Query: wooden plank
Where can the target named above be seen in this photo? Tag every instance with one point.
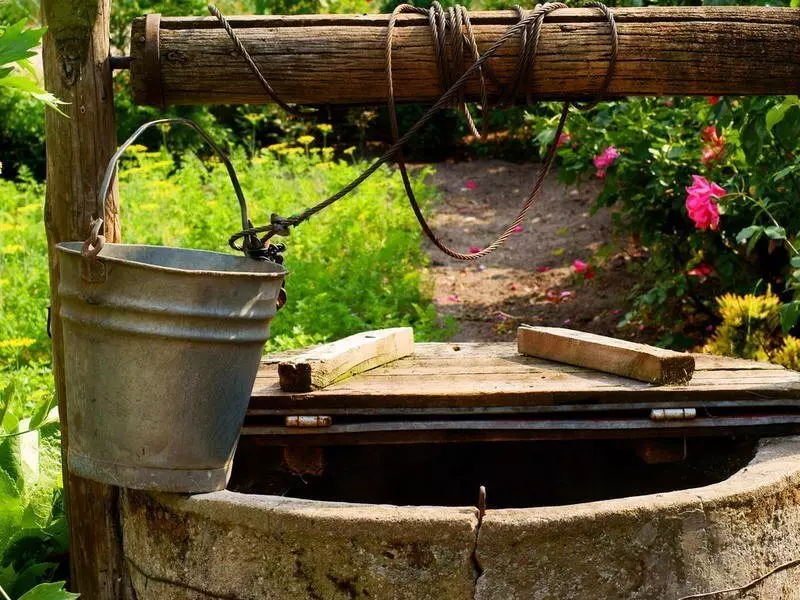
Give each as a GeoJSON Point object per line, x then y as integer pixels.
{"type": "Point", "coordinates": [339, 59]}
{"type": "Point", "coordinates": [602, 353]}
{"type": "Point", "coordinates": [76, 70]}
{"type": "Point", "coordinates": [418, 387]}
{"type": "Point", "coordinates": [322, 366]}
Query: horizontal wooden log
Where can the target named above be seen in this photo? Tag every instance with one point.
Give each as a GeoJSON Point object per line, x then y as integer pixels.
{"type": "Point", "coordinates": [340, 59]}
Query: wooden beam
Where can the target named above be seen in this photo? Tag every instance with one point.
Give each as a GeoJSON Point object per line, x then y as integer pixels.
{"type": "Point", "coordinates": [339, 59]}
{"type": "Point", "coordinates": [606, 354]}
{"type": "Point", "coordinates": [321, 366]}
{"type": "Point", "coordinates": [76, 70]}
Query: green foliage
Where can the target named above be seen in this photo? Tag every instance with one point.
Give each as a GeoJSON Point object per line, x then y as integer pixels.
{"type": "Point", "coordinates": [49, 591]}
{"type": "Point", "coordinates": [661, 145]}
{"type": "Point", "coordinates": [750, 329]}
{"type": "Point", "coordinates": [357, 266]}
{"type": "Point", "coordinates": [18, 45]}
{"type": "Point", "coordinates": [749, 326]}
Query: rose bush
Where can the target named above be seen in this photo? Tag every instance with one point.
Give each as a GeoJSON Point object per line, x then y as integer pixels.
{"type": "Point", "coordinates": [706, 187]}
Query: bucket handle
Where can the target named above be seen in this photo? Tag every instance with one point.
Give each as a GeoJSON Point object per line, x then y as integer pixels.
{"type": "Point", "coordinates": [250, 242]}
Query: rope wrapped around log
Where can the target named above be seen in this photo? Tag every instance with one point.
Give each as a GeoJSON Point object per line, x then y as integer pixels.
{"type": "Point", "coordinates": [339, 59]}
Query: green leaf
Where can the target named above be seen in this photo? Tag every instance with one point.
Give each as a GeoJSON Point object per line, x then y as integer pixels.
{"type": "Point", "coordinates": [7, 395]}
{"type": "Point", "coordinates": [17, 43]}
{"type": "Point", "coordinates": [795, 262]}
{"type": "Point", "coordinates": [776, 113]}
{"type": "Point", "coordinates": [30, 87]}
{"type": "Point", "coordinates": [752, 137]}
{"type": "Point", "coordinates": [775, 233]}
{"type": "Point", "coordinates": [49, 591]}
{"type": "Point", "coordinates": [784, 172]}
{"type": "Point", "coordinates": [41, 411]}
{"type": "Point", "coordinates": [790, 314]}
{"type": "Point", "coordinates": [794, 3]}
{"type": "Point", "coordinates": [748, 232]}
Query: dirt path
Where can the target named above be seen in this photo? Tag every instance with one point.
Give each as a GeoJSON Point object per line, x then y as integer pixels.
{"type": "Point", "coordinates": [529, 280]}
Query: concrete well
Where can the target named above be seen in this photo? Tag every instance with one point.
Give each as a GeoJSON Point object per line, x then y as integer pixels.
{"type": "Point", "coordinates": [658, 546]}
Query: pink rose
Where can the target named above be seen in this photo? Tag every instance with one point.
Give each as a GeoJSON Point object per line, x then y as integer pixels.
{"type": "Point", "coordinates": [606, 158]}
{"type": "Point", "coordinates": [715, 145]}
{"type": "Point", "coordinates": [564, 138]}
{"type": "Point", "coordinates": [701, 203]}
{"type": "Point", "coordinates": [518, 229]}
{"type": "Point", "coordinates": [600, 173]}
{"type": "Point", "coordinates": [713, 100]}
{"type": "Point", "coordinates": [470, 185]}
{"type": "Point", "coordinates": [474, 250]}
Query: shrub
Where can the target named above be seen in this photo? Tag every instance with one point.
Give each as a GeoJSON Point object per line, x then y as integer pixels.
{"type": "Point", "coordinates": [749, 326]}
{"type": "Point", "coordinates": [742, 144]}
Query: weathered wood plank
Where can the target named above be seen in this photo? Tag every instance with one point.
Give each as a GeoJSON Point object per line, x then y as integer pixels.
{"type": "Point", "coordinates": [339, 59]}
{"type": "Point", "coordinates": [324, 365]}
{"type": "Point", "coordinates": [76, 70]}
{"type": "Point", "coordinates": [480, 376]}
{"type": "Point", "coordinates": [602, 353]}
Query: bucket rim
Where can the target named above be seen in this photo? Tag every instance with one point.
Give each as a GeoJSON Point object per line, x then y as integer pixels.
{"type": "Point", "coordinates": [74, 248]}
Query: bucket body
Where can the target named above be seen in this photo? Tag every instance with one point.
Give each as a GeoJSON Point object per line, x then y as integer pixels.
{"type": "Point", "coordinates": [161, 350]}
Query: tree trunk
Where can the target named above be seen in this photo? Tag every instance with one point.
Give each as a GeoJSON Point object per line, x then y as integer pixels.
{"type": "Point", "coordinates": [76, 70]}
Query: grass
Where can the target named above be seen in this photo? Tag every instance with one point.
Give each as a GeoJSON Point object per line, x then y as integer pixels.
{"type": "Point", "coordinates": [356, 266]}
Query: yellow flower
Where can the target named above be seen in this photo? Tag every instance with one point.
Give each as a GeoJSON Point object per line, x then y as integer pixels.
{"type": "Point", "coordinates": [12, 249]}
{"type": "Point", "coordinates": [277, 147]}
{"type": "Point", "coordinates": [325, 165]}
{"type": "Point", "coordinates": [29, 208]}
{"type": "Point", "coordinates": [325, 127]}
{"type": "Point", "coordinates": [255, 118]}
{"type": "Point", "coordinates": [350, 150]}
{"type": "Point", "coordinates": [305, 139]}
{"type": "Point", "coordinates": [137, 148]}
{"type": "Point", "coordinates": [291, 151]}
{"type": "Point", "coordinates": [17, 343]}
{"type": "Point", "coordinates": [6, 227]}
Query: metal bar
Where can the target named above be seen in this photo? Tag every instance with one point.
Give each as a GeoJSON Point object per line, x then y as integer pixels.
{"type": "Point", "coordinates": [532, 409]}
{"type": "Point", "coordinates": [508, 430]}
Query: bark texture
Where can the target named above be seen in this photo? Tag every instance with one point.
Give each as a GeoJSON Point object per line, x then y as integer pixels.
{"type": "Point", "coordinates": [340, 59]}
{"type": "Point", "coordinates": [76, 70]}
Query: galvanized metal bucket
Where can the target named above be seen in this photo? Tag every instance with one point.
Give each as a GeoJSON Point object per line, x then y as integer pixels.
{"type": "Point", "coordinates": [161, 351]}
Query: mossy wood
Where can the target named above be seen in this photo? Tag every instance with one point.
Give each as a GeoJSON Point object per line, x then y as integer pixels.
{"type": "Point", "coordinates": [606, 354]}
{"type": "Point", "coordinates": [340, 59]}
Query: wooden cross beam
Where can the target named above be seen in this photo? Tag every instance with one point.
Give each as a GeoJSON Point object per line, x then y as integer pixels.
{"type": "Point", "coordinates": [339, 59]}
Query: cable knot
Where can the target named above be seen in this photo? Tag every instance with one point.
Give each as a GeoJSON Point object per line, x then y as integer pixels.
{"type": "Point", "coordinates": [280, 225]}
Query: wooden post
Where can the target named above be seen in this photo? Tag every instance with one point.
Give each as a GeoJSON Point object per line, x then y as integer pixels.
{"type": "Point", "coordinates": [76, 70]}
